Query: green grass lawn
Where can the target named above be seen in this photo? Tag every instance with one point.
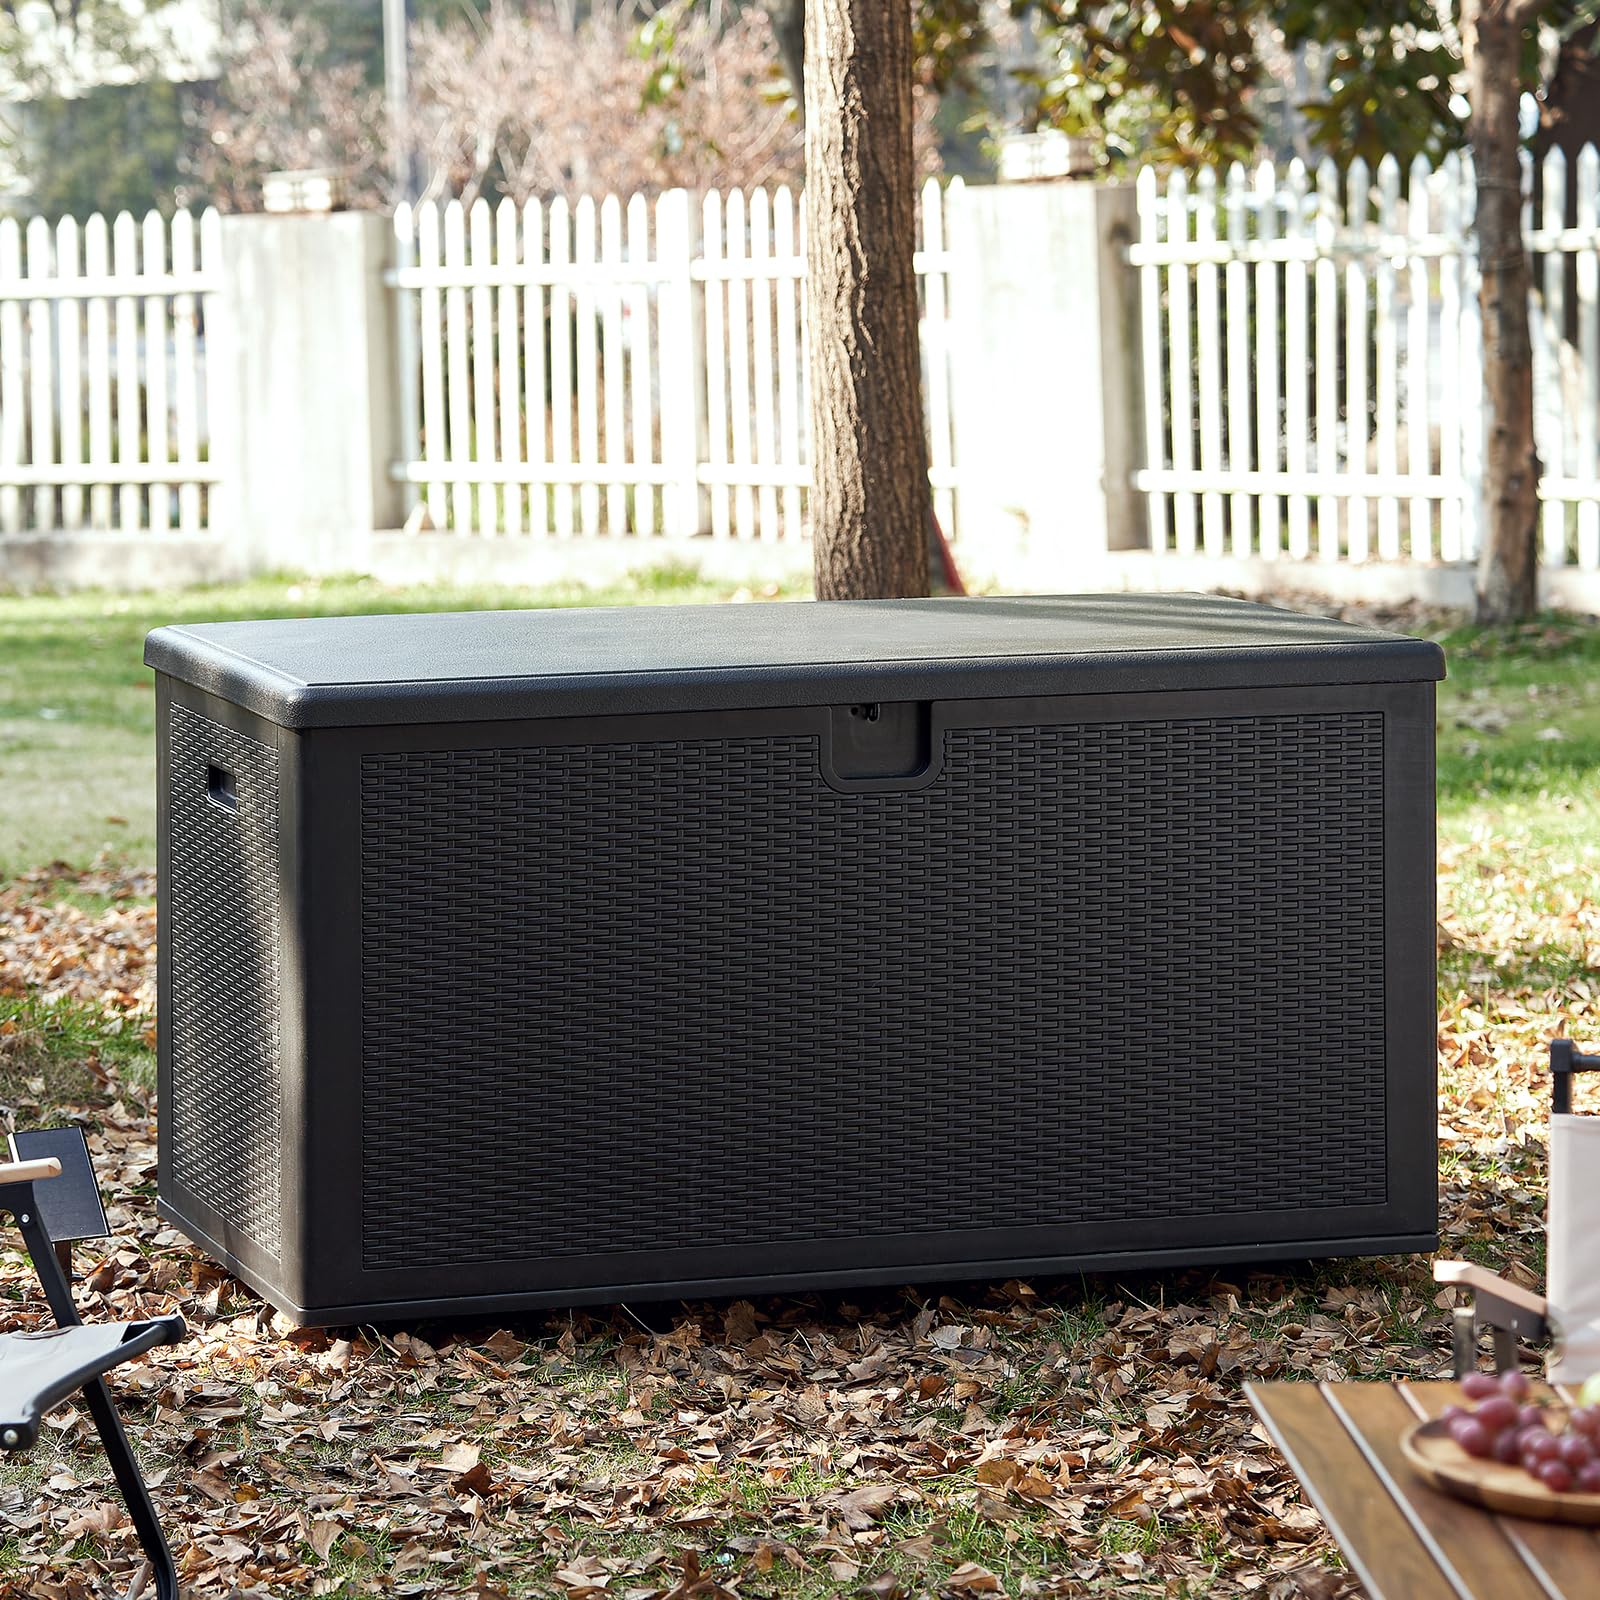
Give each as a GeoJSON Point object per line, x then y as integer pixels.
{"type": "Point", "coordinates": [77, 703]}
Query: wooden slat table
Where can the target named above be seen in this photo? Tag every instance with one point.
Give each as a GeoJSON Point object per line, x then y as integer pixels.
{"type": "Point", "coordinates": [1404, 1540]}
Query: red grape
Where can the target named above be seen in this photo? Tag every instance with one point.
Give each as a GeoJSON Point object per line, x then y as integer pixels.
{"type": "Point", "coordinates": [1576, 1451]}
{"type": "Point", "coordinates": [1540, 1445]}
{"type": "Point", "coordinates": [1515, 1384]}
{"type": "Point", "coordinates": [1473, 1437]}
{"type": "Point", "coordinates": [1506, 1448]}
{"type": "Point", "coordinates": [1556, 1475]}
{"type": "Point", "coordinates": [1479, 1386]}
{"type": "Point", "coordinates": [1531, 1417]}
{"type": "Point", "coordinates": [1496, 1412]}
{"type": "Point", "coordinates": [1450, 1413]}
{"type": "Point", "coordinates": [1588, 1479]}
{"type": "Point", "coordinates": [1585, 1419]}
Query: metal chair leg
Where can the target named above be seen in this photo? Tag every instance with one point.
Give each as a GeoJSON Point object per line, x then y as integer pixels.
{"type": "Point", "coordinates": [1463, 1341]}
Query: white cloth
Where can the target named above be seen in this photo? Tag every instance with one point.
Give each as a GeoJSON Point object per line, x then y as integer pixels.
{"type": "Point", "coordinates": [1573, 1231]}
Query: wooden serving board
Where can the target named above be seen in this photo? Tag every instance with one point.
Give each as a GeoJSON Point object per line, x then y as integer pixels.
{"type": "Point", "coordinates": [1440, 1461]}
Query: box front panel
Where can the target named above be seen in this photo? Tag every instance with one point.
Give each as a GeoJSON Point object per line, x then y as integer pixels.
{"type": "Point", "coordinates": [666, 1003]}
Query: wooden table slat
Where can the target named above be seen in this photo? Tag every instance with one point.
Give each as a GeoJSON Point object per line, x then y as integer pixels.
{"type": "Point", "coordinates": [1483, 1562]}
{"type": "Point", "coordinates": [1566, 1558]}
{"type": "Point", "coordinates": [1342, 1485]}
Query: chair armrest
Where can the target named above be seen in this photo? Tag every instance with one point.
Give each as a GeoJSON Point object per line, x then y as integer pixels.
{"type": "Point", "coordinates": [1480, 1280]}
{"type": "Point", "coordinates": [29, 1171]}
{"type": "Point", "coordinates": [1512, 1312]}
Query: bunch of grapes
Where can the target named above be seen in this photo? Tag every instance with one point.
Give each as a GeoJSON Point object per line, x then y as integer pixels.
{"type": "Point", "coordinates": [1505, 1426]}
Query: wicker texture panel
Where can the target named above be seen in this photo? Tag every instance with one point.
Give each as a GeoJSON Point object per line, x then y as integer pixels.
{"type": "Point", "coordinates": [685, 995]}
{"type": "Point", "coordinates": [225, 934]}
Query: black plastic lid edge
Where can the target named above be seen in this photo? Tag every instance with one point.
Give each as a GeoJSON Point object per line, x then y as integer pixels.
{"type": "Point", "coordinates": [296, 706]}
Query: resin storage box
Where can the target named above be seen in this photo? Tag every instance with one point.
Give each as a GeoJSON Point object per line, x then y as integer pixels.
{"type": "Point", "coordinates": [527, 958]}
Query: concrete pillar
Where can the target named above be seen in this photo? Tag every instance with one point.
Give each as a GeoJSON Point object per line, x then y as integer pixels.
{"type": "Point", "coordinates": [302, 360]}
{"type": "Point", "coordinates": [1047, 378]}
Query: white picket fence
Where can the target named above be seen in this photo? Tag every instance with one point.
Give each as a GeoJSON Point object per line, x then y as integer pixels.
{"type": "Point", "coordinates": [1312, 362]}
{"type": "Point", "coordinates": [103, 412]}
{"type": "Point", "coordinates": [628, 369]}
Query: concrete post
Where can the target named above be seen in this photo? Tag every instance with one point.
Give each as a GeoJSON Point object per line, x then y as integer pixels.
{"type": "Point", "coordinates": [305, 397]}
{"type": "Point", "coordinates": [1047, 379]}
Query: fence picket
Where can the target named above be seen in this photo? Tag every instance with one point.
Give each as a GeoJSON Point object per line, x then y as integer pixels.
{"type": "Point", "coordinates": [535, 406]}
{"type": "Point", "coordinates": [1547, 334]}
{"type": "Point", "coordinates": [1183, 509]}
{"type": "Point", "coordinates": [1450, 358]}
{"type": "Point", "coordinates": [739, 362]}
{"type": "Point", "coordinates": [1152, 216]}
{"type": "Point", "coordinates": [1419, 440]}
{"type": "Point", "coordinates": [639, 365]}
{"type": "Point", "coordinates": [155, 371]}
{"type": "Point", "coordinates": [430, 337]}
{"type": "Point", "coordinates": [1236, 287]}
{"type": "Point", "coordinates": [1388, 359]}
{"type": "Point", "coordinates": [1587, 466]}
{"type": "Point", "coordinates": [70, 371]}
{"type": "Point", "coordinates": [406, 323]}
{"type": "Point", "coordinates": [41, 373]}
{"type": "Point", "coordinates": [125, 264]}
{"type": "Point", "coordinates": [508, 363]}
{"type": "Point", "coordinates": [1208, 339]}
{"type": "Point", "coordinates": [1355, 366]}
{"type": "Point", "coordinates": [1296, 364]}
{"type": "Point", "coordinates": [1326, 377]}
{"type": "Point", "coordinates": [761, 356]}
{"type": "Point", "coordinates": [97, 328]}
{"type": "Point", "coordinates": [185, 373]}
{"type": "Point", "coordinates": [481, 246]}
{"type": "Point", "coordinates": [560, 223]}
{"type": "Point", "coordinates": [784, 246]}
{"type": "Point", "coordinates": [458, 393]}
{"type": "Point", "coordinates": [13, 412]}
{"type": "Point", "coordinates": [613, 375]}
{"type": "Point", "coordinates": [716, 369]}
{"type": "Point", "coordinates": [587, 338]}
{"type": "Point", "coordinates": [1269, 426]}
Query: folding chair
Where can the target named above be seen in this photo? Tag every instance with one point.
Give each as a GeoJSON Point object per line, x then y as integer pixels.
{"type": "Point", "coordinates": [1570, 1314]}
{"type": "Point", "coordinates": [39, 1370]}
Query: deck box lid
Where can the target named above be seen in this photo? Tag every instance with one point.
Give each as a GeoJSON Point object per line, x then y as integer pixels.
{"type": "Point", "coordinates": [371, 670]}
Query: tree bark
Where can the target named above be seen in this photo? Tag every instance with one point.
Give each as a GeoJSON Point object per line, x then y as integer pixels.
{"type": "Point", "coordinates": [870, 504]}
{"type": "Point", "coordinates": [1508, 571]}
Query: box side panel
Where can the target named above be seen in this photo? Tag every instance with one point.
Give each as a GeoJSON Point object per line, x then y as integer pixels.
{"type": "Point", "coordinates": [228, 978]}
{"type": "Point", "coordinates": [654, 1000]}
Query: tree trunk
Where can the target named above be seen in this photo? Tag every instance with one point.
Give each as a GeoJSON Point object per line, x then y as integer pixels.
{"type": "Point", "coordinates": [870, 503]}
{"type": "Point", "coordinates": [1508, 569]}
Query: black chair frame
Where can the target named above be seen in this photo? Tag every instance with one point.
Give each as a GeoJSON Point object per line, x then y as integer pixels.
{"type": "Point", "coordinates": [77, 1371]}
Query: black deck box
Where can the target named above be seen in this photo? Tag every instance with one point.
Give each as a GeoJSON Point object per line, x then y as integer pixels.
{"type": "Point", "coordinates": [527, 958]}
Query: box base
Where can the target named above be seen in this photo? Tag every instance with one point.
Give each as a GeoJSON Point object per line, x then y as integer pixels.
{"type": "Point", "coordinates": [405, 1311]}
